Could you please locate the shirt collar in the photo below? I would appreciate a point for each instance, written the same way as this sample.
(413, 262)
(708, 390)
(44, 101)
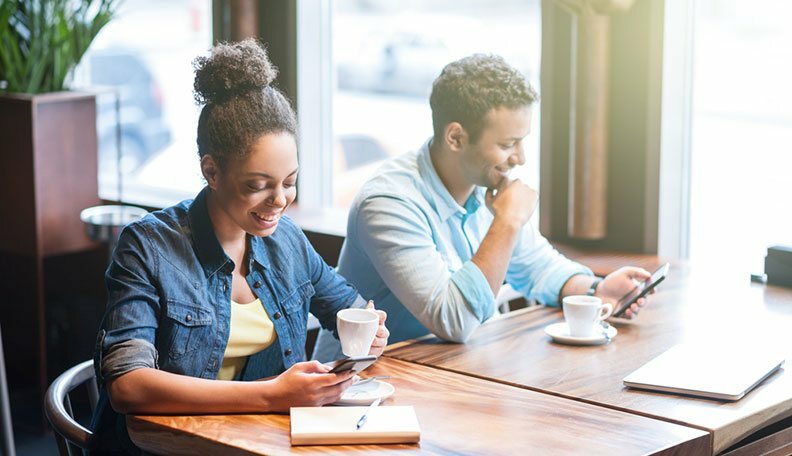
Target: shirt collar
(210, 252)
(258, 252)
(443, 202)
(207, 247)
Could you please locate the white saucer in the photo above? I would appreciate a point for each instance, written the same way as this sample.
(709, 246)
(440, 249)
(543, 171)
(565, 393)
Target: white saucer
(366, 394)
(560, 333)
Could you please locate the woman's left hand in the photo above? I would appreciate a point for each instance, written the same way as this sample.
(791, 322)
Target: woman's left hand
(381, 339)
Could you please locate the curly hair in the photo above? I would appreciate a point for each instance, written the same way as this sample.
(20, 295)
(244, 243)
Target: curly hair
(240, 105)
(469, 88)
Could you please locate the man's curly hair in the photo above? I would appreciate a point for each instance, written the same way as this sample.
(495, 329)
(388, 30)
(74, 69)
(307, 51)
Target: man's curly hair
(469, 88)
(233, 82)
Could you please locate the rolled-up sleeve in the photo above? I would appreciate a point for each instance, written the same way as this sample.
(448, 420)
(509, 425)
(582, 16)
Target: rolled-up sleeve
(476, 289)
(127, 356)
(126, 340)
(538, 270)
(396, 237)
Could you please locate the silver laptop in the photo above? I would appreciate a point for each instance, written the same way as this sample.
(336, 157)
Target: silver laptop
(714, 371)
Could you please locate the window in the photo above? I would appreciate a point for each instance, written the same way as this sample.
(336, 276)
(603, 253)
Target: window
(741, 131)
(144, 56)
(384, 57)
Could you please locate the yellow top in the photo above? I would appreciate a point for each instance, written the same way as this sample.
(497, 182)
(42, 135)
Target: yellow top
(251, 332)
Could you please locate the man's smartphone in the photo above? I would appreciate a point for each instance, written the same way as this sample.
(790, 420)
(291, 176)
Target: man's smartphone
(640, 290)
(356, 364)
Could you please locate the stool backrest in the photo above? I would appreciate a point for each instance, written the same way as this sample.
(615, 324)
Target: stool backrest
(72, 437)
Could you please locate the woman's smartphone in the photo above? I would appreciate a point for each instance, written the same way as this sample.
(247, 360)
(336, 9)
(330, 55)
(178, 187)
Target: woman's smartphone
(640, 291)
(356, 364)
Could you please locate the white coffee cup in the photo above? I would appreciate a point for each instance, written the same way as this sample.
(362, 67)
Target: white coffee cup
(584, 313)
(356, 330)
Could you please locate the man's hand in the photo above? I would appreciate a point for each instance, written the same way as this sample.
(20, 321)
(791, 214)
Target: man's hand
(619, 283)
(512, 201)
(381, 339)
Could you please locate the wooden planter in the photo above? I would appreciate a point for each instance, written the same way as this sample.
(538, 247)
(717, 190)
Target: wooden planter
(48, 174)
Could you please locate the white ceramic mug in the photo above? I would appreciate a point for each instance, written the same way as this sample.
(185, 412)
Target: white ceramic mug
(583, 314)
(356, 330)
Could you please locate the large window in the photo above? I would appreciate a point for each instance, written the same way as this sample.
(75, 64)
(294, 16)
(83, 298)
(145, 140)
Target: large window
(385, 55)
(741, 153)
(144, 57)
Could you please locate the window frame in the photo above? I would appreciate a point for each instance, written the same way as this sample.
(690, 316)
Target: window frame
(315, 82)
(673, 197)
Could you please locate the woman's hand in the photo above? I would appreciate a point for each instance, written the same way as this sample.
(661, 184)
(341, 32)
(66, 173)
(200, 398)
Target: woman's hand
(306, 384)
(381, 339)
(620, 282)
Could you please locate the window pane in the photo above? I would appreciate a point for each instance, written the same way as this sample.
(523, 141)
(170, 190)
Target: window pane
(742, 131)
(144, 55)
(386, 55)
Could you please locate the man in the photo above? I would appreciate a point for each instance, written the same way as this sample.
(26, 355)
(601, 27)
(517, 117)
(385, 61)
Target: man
(433, 236)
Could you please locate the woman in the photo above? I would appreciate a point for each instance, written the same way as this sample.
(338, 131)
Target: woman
(219, 288)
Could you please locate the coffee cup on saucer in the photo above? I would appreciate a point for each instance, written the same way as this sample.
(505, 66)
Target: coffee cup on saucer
(584, 314)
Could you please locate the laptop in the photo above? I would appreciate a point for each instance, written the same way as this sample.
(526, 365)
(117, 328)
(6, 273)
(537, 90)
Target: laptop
(712, 371)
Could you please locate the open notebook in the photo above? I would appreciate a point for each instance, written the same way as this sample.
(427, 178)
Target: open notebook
(717, 372)
(337, 425)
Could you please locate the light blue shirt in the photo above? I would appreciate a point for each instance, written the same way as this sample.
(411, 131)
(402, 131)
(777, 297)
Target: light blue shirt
(409, 247)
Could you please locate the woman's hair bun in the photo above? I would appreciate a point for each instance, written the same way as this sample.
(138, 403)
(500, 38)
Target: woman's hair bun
(232, 69)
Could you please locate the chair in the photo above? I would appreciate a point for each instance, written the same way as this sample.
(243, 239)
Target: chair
(71, 436)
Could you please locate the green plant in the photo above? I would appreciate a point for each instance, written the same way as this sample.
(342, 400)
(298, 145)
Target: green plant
(41, 41)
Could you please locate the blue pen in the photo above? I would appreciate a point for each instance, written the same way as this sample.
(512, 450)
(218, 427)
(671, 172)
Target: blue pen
(362, 419)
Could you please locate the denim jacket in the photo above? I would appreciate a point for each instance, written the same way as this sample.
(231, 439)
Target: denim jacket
(169, 294)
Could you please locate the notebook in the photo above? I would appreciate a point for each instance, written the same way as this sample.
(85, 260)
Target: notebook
(337, 425)
(713, 371)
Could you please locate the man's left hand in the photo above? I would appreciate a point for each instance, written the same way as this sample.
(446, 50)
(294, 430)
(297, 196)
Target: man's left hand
(381, 339)
(619, 283)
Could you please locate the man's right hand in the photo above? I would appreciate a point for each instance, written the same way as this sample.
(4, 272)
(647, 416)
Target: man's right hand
(306, 384)
(512, 201)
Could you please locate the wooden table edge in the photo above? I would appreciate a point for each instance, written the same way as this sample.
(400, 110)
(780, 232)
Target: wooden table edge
(132, 421)
(405, 343)
(709, 432)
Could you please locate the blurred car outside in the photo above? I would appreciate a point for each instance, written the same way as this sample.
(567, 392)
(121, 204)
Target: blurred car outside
(144, 131)
(404, 53)
(356, 159)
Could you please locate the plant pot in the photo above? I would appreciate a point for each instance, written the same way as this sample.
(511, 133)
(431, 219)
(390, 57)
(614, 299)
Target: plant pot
(49, 171)
(48, 175)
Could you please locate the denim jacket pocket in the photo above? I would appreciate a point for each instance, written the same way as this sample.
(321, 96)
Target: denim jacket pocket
(295, 306)
(296, 302)
(185, 324)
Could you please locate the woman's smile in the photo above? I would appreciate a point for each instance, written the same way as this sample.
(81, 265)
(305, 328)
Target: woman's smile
(267, 220)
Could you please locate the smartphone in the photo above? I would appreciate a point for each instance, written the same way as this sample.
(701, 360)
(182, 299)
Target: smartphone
(355, 364)
(640, 290)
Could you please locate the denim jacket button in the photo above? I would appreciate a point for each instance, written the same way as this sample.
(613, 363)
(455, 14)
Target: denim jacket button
(287, 352)
(188, 318)
(276, 315)
(256, 284)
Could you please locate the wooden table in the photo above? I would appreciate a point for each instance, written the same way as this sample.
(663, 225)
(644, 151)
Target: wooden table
(458, 414)
(708, 305)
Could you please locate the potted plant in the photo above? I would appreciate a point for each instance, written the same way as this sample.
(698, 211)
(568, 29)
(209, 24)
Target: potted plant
(41, 41)
(48, 150)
